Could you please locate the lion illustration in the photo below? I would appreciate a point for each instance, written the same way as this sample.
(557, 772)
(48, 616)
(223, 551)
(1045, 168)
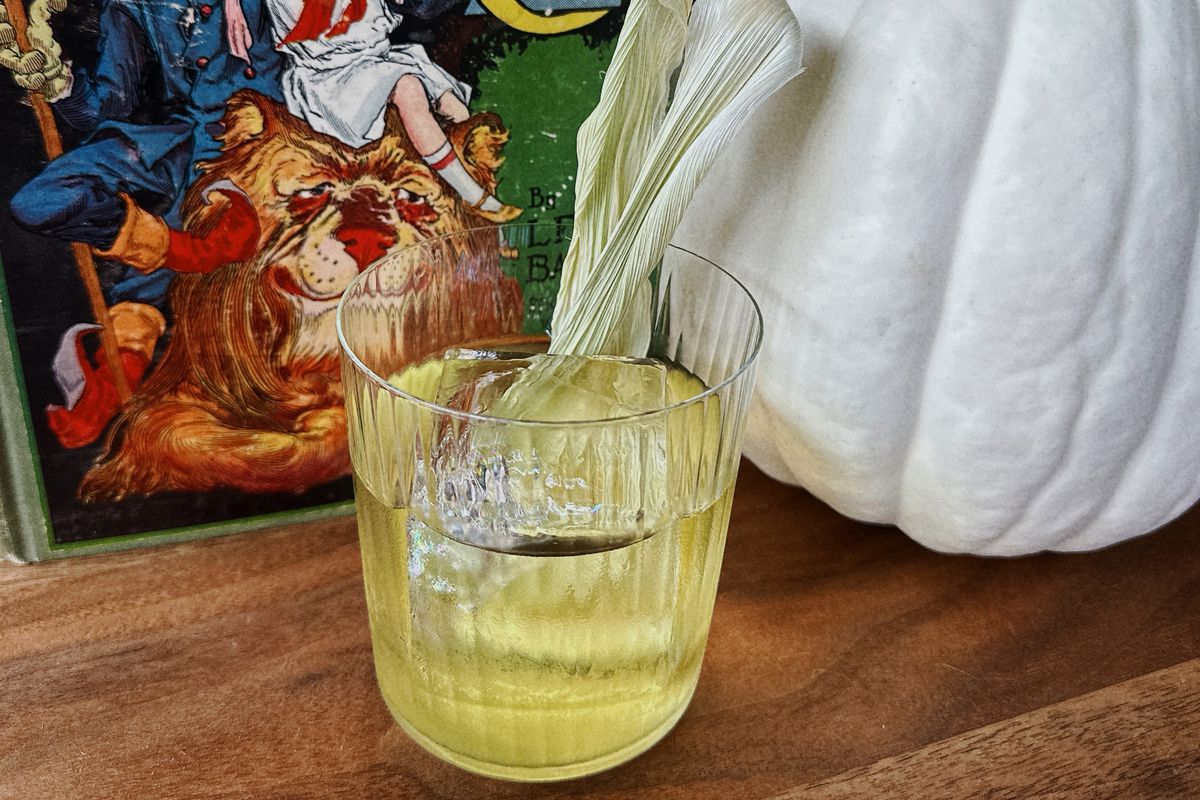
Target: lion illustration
(247, 394)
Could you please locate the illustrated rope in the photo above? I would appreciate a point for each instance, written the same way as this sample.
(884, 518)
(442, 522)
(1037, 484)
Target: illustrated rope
(41, 69)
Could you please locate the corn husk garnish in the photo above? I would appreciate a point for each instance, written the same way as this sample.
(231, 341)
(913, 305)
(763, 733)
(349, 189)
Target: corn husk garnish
(644, 150)
(682, 81)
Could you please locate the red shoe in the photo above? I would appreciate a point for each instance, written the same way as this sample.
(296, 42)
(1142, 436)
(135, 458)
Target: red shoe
(81, 423)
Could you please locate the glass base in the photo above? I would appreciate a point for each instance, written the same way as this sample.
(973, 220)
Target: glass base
(557, 772)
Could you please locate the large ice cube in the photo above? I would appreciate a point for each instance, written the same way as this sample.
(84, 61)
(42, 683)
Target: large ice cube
(540, 488)
(536, 489)
(559, 388)
(540, 387)
(471, 380)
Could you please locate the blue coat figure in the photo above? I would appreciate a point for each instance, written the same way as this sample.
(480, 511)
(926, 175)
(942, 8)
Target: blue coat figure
(168, 65)
(151, 108)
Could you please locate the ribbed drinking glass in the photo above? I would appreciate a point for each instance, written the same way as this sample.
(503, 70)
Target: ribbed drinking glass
(540, 583)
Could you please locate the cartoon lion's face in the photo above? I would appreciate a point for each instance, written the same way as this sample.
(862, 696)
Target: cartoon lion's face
(327, 211)
(249, 379)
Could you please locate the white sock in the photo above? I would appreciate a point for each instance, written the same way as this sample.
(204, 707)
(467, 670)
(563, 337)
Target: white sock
(446, 163)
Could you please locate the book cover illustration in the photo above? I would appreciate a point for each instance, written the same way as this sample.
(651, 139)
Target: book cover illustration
(172, 265)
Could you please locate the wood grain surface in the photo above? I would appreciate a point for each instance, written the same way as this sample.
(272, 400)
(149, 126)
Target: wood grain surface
(844, 661)
(1140, 738)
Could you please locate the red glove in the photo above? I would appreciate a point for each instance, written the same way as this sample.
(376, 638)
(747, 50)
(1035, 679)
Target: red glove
(232, 237)
(81, 424)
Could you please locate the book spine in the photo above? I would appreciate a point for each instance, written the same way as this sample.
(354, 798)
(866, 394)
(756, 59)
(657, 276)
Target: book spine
(7, 549)
(22, 521)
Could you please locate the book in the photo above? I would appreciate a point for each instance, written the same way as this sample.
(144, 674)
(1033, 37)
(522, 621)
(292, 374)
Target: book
(169, 272)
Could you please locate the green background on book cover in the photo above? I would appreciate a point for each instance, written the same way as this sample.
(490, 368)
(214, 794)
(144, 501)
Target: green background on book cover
(539, 174)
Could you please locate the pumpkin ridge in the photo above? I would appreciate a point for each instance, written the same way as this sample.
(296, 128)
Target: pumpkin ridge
(912, 435)
(1120, 248)
(1171, 368)
(1083, 529)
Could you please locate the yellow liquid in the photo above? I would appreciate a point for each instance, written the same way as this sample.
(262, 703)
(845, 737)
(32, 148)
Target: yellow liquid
(538, 667)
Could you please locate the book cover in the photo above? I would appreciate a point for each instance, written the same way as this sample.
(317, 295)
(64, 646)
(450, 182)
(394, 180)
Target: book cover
(187, 189)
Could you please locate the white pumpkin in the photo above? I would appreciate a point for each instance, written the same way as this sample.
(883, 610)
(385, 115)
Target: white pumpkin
(972, 227)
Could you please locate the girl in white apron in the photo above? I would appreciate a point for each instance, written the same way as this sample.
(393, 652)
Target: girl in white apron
(342, 73)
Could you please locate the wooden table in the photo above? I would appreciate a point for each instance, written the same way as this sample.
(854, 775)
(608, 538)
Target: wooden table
(845, 661)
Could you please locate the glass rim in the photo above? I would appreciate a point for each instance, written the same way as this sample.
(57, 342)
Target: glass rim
(348, 352)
